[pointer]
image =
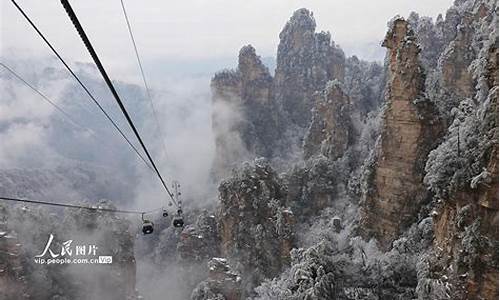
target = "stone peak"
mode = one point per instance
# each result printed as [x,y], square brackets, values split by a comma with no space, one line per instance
[399,30]
[247,51]
[303,14]
[250,64]
[302,19]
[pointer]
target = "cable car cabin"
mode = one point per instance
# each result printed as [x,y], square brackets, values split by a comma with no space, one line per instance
[178,221]
[147,227]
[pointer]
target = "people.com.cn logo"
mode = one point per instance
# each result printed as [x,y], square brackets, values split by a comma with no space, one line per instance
[68,253]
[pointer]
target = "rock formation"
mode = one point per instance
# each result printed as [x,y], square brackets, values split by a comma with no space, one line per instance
[200,241]
[222,283]
[409,131]
[306,61]
[311,188]
[257,115]
[455,61]
[256,227]
[396,195]
[463,170]
[330,131]
[246,117]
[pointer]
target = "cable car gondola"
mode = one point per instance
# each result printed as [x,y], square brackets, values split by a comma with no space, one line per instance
[147,226]
[178,221]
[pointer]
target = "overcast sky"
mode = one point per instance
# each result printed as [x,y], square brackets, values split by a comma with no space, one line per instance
[195,30]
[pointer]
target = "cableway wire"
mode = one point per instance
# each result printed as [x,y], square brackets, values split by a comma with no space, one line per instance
[81,83]
[106,78]
[67,115]
[146,86]
[96,208]
[75,123]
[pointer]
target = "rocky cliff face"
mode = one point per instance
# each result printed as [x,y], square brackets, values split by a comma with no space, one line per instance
[330,130]
[312,187]
[395,196]
[306,61]
[455,61]
[463,170]
[258,115]
[246,118]
[410,128]
[256,227]
[200,241]
[222,283]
